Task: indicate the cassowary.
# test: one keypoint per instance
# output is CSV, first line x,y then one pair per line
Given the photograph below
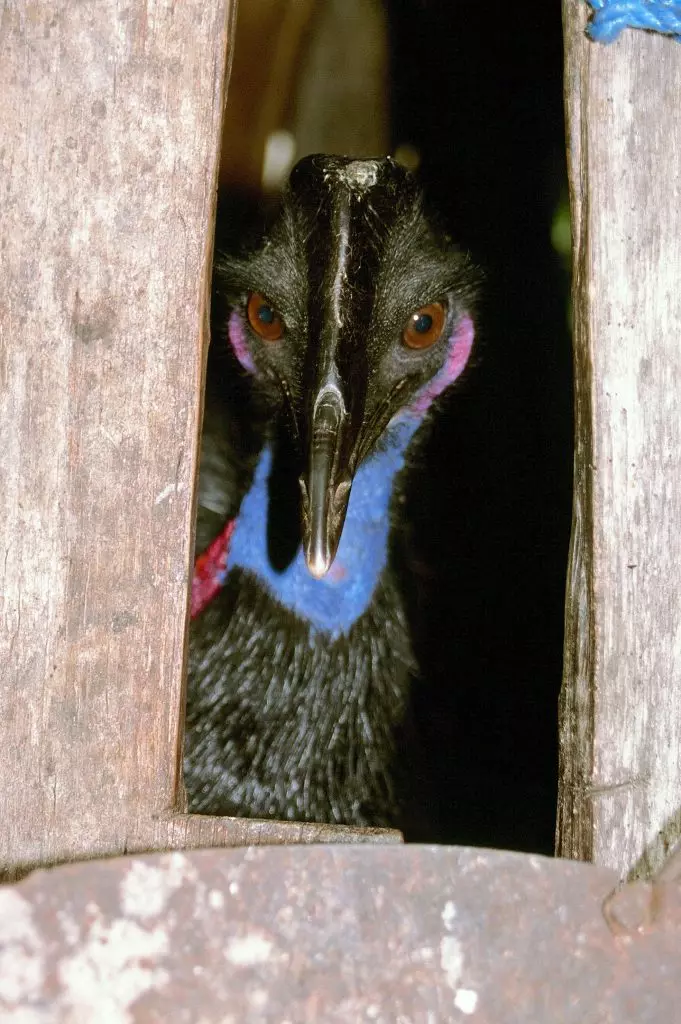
x,y
341,329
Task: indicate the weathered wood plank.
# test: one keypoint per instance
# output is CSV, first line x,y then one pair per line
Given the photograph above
x,y
109,135
260,89
620,794
176,831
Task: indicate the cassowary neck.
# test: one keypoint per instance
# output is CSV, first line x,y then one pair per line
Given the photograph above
x,y
331,604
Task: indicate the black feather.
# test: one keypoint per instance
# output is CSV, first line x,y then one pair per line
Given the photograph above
x,y
284,720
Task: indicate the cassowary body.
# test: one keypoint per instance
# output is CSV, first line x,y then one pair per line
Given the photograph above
x,y
342,329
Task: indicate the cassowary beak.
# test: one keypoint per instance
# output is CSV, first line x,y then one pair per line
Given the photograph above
x,y
326,491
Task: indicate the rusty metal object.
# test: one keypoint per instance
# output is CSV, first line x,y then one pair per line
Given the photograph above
x,y
335,934
639,906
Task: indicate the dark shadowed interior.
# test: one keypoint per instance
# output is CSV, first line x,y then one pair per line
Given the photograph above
x,y
481,98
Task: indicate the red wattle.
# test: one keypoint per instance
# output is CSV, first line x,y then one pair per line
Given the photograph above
x,y
210,569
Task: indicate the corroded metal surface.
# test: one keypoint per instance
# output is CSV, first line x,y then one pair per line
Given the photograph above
x,y
416,935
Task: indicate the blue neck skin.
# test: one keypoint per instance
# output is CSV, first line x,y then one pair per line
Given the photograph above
x,y
332,604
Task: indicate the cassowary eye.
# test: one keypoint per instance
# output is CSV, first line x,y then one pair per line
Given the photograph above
x,y
424,327
263,318
307,626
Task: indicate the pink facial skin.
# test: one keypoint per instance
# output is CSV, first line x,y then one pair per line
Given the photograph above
x,y
459,349
237,338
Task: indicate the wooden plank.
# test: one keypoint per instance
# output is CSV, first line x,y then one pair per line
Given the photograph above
x,y
342,103
109,134
620,789
260,89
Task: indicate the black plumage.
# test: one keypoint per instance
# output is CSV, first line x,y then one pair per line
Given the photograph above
x,y
335,336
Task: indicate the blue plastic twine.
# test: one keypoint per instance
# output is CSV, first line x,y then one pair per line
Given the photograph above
x,y
612,16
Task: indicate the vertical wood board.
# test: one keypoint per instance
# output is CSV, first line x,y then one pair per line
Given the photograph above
x,y
109,137
620,794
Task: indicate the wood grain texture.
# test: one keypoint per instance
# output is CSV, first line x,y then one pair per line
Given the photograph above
x,y
341,103
270,36
620,789
201,831
109,134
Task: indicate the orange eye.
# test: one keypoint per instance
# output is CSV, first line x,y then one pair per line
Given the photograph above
x,y
424,327
264,318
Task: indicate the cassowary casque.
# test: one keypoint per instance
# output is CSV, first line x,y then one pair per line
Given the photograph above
x,y
341,329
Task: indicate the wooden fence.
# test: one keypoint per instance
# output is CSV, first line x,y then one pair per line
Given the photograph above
x,y
109,139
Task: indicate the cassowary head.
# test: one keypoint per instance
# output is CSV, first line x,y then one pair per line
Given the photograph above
x,y
353,313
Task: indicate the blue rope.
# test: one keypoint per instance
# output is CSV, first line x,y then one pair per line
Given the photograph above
x,y
612,16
